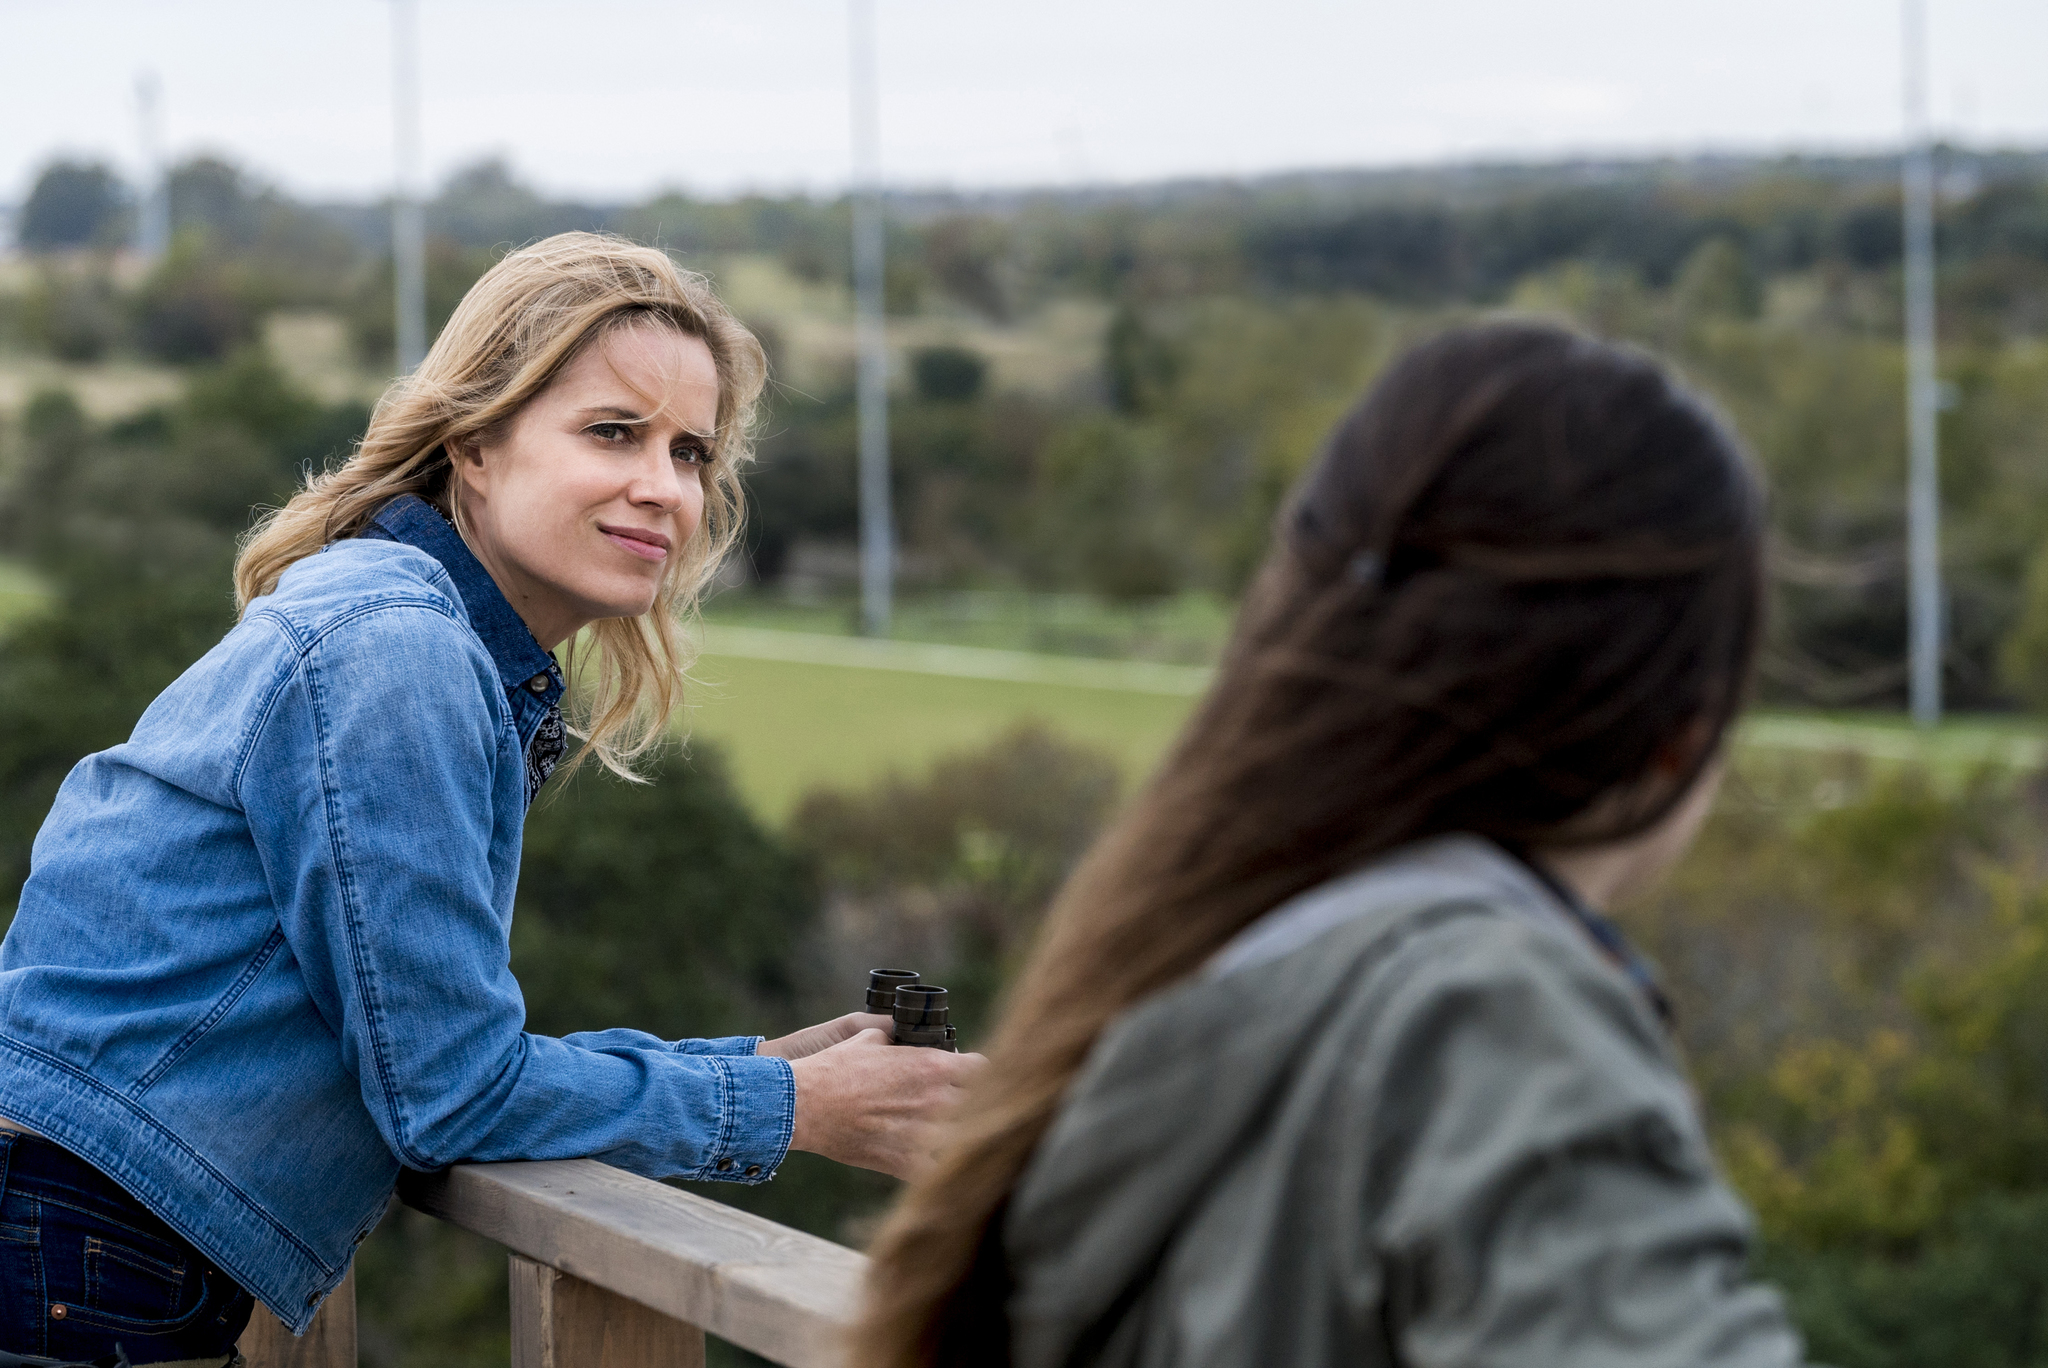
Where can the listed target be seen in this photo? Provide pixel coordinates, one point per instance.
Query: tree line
(1237, 321)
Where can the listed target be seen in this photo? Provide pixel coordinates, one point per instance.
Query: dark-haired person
(1328, 1054)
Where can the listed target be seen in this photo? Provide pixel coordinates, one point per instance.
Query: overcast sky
(615, 98)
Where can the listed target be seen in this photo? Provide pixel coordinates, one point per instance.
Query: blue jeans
(84, 1267)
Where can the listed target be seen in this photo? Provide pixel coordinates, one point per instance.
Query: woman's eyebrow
(625, 417)
(613, 412)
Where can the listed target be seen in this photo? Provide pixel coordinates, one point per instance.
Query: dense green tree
(2023, 656)
(215, 199)
(970, 257)
(1717, 282)
(193, 307)
(75, 315)
(74, 204)
(948, 374)
(485, 205)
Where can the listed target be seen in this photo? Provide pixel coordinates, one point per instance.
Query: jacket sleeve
(376, 790)
(619, 1035)
(1546, 1191)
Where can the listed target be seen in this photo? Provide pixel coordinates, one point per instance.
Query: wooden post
(559, 1321)
(329, 1342)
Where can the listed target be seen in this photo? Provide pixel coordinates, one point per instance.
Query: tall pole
(153, 224)
(1923, 494)
(408, 227)
(877, 532)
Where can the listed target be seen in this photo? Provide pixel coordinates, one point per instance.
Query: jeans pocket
(128, 1282)
(21, 1290)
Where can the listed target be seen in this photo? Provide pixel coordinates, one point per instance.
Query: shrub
(192, 308)
(2023, 655)
(662, 906)
(1977, 1297)
(1717, 282)
(1104, 519)
(73, 317)
(952, 871)
(1859, 956)
(948, 374)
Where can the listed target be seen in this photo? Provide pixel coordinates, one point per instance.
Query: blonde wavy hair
(527, 319)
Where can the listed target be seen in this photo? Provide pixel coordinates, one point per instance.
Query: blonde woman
(260, 964)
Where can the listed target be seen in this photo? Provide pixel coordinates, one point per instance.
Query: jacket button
(312, 1299)
(725, 1166)
(753, 1170)
(58, 1311)
(539, 683)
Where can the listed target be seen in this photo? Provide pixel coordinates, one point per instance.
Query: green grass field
(794, 710)
(786, 725)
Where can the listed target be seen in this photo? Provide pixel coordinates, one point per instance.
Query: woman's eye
(692, 455)
(609, 432)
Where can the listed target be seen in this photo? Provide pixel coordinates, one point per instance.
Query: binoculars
(919, 1009)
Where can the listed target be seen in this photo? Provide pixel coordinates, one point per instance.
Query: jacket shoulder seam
(303, 644)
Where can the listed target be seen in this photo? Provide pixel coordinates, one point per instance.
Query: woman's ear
(1683, 752)
(466, 460)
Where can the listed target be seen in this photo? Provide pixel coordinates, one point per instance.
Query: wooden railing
(610, 1270)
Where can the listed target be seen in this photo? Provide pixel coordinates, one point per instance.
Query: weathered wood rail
(610, 1270)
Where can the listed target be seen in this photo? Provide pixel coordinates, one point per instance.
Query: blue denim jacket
(261, 960)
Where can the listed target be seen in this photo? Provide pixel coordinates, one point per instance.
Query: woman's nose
(658, 483)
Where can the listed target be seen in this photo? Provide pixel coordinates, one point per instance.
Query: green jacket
(1414, 1117)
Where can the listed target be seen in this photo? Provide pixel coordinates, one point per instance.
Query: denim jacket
(261, 960)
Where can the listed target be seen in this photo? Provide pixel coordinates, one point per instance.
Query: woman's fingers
(811, 1039)
(870, 1103)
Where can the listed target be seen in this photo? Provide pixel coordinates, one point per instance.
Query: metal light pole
(1923, 494)
(877, 532)
(153, 224)
(408, 227)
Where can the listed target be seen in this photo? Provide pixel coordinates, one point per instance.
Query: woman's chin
(628, 605)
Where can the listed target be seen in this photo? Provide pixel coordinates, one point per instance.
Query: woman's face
(587, 499)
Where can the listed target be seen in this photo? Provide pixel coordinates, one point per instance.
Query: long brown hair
(1522, 572)
(529, 317)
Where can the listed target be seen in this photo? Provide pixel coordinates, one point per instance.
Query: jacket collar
(1437, 869)
(520, 660)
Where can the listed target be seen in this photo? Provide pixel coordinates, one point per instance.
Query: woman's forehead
(653, 370)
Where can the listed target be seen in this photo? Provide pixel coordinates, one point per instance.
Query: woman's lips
(636, 543)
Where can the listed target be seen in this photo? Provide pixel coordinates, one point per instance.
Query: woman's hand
(869, 1102)
(811, 1039)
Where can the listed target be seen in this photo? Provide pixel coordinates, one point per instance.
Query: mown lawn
(787, 725)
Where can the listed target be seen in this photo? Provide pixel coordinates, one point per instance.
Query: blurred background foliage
(1100, 398)
(1107, 391)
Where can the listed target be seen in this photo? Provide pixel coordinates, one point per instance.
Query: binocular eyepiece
(920, 1011)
